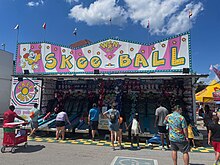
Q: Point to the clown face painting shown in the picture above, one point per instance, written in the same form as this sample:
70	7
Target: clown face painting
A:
30	60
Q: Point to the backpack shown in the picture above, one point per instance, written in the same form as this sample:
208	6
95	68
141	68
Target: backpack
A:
112	116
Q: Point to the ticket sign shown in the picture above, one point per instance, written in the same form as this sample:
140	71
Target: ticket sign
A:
216	95
108	56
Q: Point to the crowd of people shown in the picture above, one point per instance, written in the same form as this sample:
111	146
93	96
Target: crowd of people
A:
173	127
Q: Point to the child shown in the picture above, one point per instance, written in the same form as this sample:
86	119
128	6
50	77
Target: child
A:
191	135
214	137
135	130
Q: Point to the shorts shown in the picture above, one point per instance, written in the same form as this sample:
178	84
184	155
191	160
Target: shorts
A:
122	126
34	124
94	125
60	123
216	146
162	130
183	147
114	127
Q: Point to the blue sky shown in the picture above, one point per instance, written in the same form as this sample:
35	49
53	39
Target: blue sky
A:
129	22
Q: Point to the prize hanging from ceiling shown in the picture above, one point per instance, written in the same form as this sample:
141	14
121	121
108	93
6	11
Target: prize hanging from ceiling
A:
101	93
118	93
133	104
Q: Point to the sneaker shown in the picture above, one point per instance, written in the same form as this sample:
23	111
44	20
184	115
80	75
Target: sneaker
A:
121	147
131	147
161	148
113	148
217	163
32	136
138	148
115	142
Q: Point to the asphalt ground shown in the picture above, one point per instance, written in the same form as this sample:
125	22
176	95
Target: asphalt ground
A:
60	153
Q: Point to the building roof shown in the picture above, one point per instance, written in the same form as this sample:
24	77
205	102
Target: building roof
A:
80	43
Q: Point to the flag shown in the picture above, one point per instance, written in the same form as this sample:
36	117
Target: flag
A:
44	26
148	24
190	13
75	31
217	72
16	27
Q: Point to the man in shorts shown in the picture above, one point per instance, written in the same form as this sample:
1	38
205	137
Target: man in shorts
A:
160	113
93	119
178	134
35	112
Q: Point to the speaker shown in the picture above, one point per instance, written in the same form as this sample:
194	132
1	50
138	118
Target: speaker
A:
96	71
26	72
20	79
185	70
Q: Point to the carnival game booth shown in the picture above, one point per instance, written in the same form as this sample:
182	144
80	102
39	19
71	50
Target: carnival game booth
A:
209	94
134	75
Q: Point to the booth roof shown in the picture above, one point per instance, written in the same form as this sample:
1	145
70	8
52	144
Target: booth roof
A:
206	94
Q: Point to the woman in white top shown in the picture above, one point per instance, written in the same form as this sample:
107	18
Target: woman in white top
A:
60	124
135	130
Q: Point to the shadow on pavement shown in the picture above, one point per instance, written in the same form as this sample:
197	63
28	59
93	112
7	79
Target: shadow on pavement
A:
29	149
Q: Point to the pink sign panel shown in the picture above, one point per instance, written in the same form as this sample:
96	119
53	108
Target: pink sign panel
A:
109	56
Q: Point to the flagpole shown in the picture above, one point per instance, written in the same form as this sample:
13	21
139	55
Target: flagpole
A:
17	35
44	35
45	28
148	37
148	27
17	28
75	33
190	14
110	30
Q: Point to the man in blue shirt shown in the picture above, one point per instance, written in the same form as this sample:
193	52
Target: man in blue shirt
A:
93	119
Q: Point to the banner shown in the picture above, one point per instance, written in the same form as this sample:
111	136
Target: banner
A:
24	94
216	95
109	56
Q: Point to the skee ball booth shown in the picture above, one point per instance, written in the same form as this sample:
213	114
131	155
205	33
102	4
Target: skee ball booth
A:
134	75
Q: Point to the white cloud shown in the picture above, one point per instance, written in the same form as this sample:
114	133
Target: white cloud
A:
99	13
181	22
35	4
71	1
165	16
